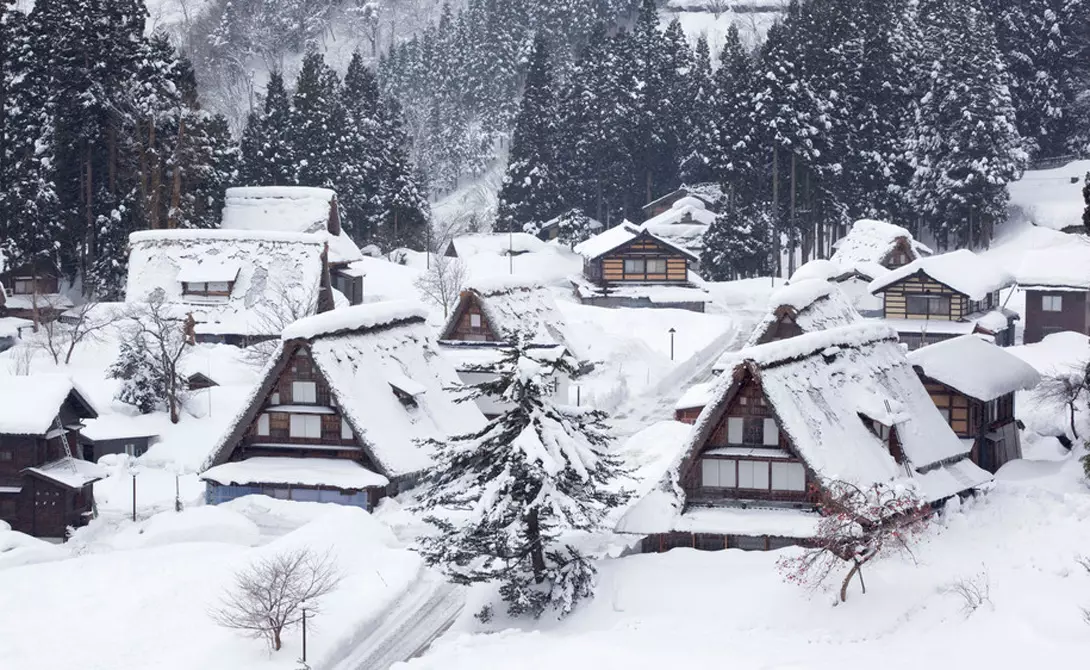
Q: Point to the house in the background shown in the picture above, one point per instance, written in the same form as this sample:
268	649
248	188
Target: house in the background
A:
973	384
119	434
878	243
684	224
708	193
550	230
31	290
939	297
491	316
299	209
626	266
343	411
790	417
1057	286
239	286
45	487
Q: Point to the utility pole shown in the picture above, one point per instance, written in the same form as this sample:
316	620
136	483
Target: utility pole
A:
776	210
794	223
672	331
510	251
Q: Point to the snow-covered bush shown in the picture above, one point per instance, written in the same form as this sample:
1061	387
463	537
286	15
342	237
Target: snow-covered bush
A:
858	525
514	492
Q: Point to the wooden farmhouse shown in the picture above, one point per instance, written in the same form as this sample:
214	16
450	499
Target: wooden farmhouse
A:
788	418
973	384
491	316
879	243
709	194
45	487
31	291
940	297
684	223
300	209
119	434
343	411
626	266
237	286
1057	286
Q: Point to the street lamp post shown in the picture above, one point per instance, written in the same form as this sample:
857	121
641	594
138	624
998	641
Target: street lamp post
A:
672	331
303	606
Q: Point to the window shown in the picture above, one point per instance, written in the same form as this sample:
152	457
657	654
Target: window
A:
752	430
305	392
346	430
263	424
474	320
931	305
634	266
656	266
274	399
6	455
306	495
753	475
306	425
945	412
1052	303
23	285
718	473
788	477
278	424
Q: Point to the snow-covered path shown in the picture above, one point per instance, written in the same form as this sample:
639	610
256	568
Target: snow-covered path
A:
407	629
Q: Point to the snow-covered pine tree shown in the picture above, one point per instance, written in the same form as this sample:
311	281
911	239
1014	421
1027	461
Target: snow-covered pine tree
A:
317	123
531	193
142	383
574	227
738	243
361	152
523	487
266	146
699	143
737	153
407	213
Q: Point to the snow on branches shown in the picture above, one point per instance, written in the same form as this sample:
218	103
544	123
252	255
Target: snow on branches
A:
858	525
514	493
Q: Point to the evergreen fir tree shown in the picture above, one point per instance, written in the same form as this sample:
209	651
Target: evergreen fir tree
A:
738	243
141	381
267	157
361	154
737	154
531	192
699	142
317	123
531	477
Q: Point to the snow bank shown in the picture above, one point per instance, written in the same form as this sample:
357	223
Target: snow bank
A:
496	244
819	268
29	404
18	549
1050	198
196	524
961	270
337	473
359	317
975	367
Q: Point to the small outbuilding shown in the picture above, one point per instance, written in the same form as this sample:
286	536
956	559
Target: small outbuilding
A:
1057	286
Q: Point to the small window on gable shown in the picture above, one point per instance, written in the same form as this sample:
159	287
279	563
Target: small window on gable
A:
263	424
346	430
474	320
304	392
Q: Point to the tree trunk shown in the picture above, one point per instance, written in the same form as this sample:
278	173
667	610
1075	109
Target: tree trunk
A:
537	552
776	210
1074	432
276	638
856	567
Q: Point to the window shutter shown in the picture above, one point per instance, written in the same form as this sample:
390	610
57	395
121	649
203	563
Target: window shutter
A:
314	426
298	426
772	433
263	424
734	430
346	430
710	474
727	473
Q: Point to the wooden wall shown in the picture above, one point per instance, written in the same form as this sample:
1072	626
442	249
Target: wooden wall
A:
642	248
464	330
895	299
41	508
1075	315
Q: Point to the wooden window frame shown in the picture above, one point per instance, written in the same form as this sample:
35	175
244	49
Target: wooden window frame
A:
929	298
189	289
1047	304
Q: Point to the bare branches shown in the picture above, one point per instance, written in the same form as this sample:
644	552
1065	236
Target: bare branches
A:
1067	388
443	282
272	316
162	333
267	597
83	323
857	526
974	591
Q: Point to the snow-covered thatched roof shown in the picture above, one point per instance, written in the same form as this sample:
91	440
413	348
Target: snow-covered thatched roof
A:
974	367
1056	268
361	352
812	304
820	385
513	306
272	271
871	241
708	192
961	270
290	209
29	405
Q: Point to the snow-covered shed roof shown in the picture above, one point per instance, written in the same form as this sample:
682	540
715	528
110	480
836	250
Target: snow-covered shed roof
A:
359	350
961	270
812	304
72	473
1056	268
273	269
870	241
494	244
709	192
331	472
513	305
820	384
608	240
29	405
974	367
1050	198
290	209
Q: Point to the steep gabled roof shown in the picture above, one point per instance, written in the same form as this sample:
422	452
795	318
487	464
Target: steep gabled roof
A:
961	270
269	269
618	236
819	384
974	367
870	241
513	305
359	351
290	209
813	304
708	192
29	405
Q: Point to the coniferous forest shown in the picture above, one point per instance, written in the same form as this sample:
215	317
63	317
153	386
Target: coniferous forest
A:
916	111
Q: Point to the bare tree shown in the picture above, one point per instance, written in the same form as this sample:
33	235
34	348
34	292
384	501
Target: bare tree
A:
272	316
266	597
857	526
1065	387
443	282
163	334
1085	563
83	323
974	591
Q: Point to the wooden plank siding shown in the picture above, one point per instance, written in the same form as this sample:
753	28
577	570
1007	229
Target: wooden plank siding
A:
895	299
471	324
613	268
